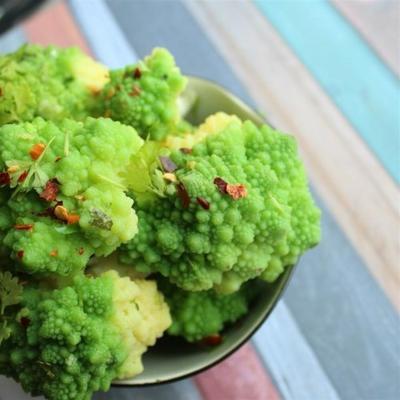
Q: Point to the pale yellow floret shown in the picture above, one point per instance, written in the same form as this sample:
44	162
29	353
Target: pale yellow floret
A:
141	315
212	125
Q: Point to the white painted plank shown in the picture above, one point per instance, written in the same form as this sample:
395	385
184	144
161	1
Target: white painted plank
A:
103	34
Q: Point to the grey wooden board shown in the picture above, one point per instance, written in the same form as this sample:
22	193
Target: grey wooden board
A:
337	304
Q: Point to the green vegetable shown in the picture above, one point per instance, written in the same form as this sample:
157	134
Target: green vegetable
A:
145	96
48	82
10	295
242	209
70	341
199	315
88	184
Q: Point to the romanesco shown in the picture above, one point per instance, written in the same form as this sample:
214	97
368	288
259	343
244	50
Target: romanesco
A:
64	192
48	82
145	95
235	207
202	315
68	342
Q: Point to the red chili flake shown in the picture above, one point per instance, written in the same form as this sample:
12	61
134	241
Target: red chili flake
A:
137	73
203	202
73	219
20	254
81	251
5	178
135	91
183	195
1	92
167	164
36	150
50	191
212	340
25	322
54	253
221	184
22	177
186	150
23	227
236	191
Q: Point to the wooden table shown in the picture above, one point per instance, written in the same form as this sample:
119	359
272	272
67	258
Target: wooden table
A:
328	73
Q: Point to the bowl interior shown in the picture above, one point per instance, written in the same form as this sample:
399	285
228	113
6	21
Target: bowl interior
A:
172	358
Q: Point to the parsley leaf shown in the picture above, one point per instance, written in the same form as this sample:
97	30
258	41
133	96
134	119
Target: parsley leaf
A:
10	295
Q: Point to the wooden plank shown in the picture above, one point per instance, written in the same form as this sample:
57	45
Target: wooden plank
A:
54	25
357	81
356	188
379	23
240	377
105	38
291	360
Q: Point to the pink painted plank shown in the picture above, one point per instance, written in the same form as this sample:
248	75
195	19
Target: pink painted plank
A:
55	25
241	377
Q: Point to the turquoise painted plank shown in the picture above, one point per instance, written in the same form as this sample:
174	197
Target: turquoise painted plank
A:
361	85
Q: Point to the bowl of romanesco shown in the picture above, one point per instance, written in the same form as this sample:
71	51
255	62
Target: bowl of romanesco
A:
149	222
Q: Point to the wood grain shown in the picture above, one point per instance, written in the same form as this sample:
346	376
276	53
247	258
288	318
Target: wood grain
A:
240	377
379	22
359	192
54	25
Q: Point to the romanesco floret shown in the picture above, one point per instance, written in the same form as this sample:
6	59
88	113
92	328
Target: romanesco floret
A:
49	82
64	191
237	207
68	342
201	315
145	95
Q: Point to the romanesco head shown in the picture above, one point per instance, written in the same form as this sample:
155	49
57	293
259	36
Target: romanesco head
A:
237	207
145	95
64	192
69	342
200	315
48	82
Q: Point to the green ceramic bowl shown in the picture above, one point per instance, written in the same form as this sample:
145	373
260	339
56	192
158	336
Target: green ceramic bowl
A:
173	359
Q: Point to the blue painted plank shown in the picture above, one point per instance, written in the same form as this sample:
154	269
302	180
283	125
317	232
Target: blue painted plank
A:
362	86
11	40
291	360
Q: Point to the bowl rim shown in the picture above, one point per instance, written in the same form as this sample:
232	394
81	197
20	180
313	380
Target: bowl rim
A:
283	280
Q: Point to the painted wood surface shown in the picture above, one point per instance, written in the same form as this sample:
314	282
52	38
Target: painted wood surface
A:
357	81
378	21
357	190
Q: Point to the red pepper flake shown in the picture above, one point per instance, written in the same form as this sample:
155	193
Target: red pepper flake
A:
20	254
203	202
23	227
5	178
50	191
137	73
73	219
1	92
186	150
25	322
221	185
54	253
236	191
167	164
81	251
22	177
36	150
212	340
183	195
135	91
